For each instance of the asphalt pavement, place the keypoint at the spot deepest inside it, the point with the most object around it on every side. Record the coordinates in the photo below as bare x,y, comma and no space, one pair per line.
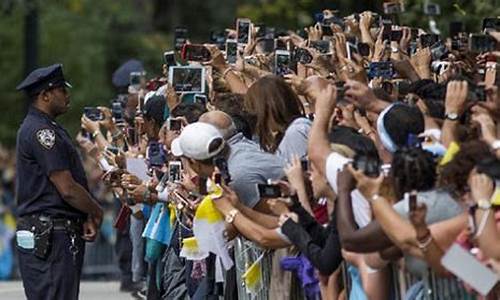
89,290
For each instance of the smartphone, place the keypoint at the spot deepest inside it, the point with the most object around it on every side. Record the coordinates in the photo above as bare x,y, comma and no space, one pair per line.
396,35
93,113
340,86
303,56
466,267
491,24
136,79
368,164
218,38
269,190
187,79
267,45
117,112
231,51
439,51
218,178
221,164
281,62
243,31
480,43
132,136
393,7
180,37
384,69
326,29
201,99
350,49
202,185
364,49
322,46
174,171
193,52
174,124
386,30
432,9
412,201
113,149
169,58
427,40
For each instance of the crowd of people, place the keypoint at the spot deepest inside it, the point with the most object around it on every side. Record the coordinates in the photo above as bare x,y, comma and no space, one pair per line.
308,164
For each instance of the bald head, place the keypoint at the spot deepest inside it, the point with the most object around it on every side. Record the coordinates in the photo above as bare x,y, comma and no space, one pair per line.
221,120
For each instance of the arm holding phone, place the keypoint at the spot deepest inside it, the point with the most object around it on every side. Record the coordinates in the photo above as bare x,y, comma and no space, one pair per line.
219,63
267,238
431,250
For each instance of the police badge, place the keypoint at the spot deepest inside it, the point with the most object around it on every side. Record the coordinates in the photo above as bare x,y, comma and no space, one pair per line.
46,138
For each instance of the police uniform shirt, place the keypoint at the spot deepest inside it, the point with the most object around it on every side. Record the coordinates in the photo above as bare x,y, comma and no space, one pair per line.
43,147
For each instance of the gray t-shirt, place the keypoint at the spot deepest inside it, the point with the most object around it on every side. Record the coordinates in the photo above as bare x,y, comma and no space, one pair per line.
440,206
294,141
249,165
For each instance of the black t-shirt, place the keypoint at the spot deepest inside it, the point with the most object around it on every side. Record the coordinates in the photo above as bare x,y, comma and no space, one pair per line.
43,147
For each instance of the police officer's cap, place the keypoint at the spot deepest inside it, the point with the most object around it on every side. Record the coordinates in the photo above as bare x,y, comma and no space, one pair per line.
43,79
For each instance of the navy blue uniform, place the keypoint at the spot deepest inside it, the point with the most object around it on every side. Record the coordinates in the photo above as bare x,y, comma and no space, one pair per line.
43,147
49,243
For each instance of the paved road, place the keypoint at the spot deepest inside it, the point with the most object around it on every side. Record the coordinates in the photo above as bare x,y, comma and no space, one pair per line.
89,290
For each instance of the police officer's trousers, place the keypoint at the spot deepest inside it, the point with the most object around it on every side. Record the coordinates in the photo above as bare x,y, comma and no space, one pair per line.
56,277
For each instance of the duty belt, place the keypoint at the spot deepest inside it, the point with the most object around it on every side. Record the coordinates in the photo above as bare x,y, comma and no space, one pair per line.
58,223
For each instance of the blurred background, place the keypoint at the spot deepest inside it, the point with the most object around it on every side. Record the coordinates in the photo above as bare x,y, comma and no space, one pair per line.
91,38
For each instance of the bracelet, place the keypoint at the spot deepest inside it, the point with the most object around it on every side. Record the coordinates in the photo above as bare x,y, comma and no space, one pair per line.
376,197
482,224
422,245
95,133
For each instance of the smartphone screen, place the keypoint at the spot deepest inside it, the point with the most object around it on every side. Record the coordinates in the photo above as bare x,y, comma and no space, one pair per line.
187,79
269,190
303,56
169,58
174,124
243,31
195,53
180,37
351,48
282,62
231,51
93,113
174,171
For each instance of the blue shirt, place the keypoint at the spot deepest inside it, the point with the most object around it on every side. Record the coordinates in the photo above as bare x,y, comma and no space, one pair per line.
248,166
43,147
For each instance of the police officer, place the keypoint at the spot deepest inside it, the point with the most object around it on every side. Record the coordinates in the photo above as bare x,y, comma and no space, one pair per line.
56,213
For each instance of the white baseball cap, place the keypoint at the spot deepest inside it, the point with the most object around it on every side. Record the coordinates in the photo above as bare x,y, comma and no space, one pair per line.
196,141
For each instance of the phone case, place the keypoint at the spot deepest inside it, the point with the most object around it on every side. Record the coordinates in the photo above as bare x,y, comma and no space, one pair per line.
122,218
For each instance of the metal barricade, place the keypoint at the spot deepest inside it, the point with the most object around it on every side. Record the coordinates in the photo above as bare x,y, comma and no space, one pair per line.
100,260
433,287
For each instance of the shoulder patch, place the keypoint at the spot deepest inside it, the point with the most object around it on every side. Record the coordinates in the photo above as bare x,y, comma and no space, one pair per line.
46,138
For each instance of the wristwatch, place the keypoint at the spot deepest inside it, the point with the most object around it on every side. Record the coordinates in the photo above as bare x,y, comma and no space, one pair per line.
231,215
452,116
484,204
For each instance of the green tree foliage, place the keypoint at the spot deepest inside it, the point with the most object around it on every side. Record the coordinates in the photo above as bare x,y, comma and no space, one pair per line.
93,37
